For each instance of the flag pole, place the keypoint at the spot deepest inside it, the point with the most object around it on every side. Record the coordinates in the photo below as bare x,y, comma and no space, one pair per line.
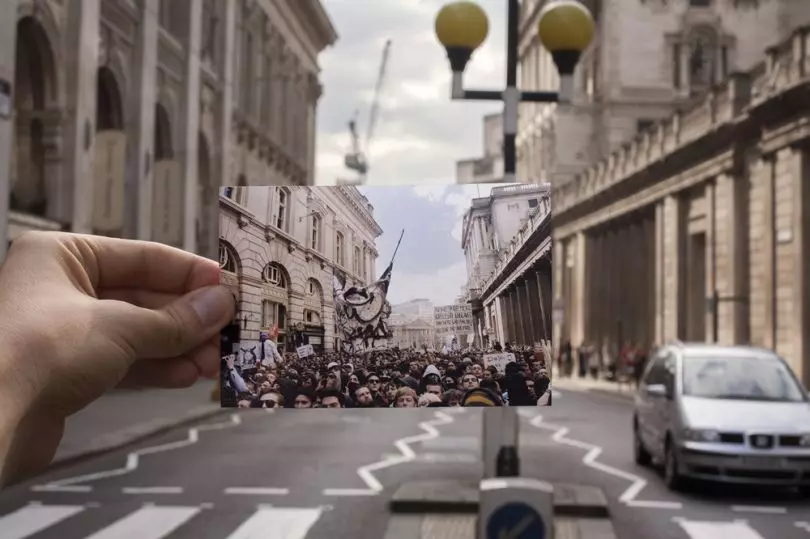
396,248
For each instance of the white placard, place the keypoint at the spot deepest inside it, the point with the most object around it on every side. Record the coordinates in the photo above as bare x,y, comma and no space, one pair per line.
305,351
453,319
499,361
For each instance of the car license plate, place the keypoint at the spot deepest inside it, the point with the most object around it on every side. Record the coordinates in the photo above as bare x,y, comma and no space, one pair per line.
762,463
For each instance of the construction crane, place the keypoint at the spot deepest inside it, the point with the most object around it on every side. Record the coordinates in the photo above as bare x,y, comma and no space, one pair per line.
357,159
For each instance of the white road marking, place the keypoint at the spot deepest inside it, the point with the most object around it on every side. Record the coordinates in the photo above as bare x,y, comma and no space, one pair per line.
33,518
718,530
628,497
802,525
439,458
133,459
148,522
56,488
152,490
407,454
759,509
257,491
286,523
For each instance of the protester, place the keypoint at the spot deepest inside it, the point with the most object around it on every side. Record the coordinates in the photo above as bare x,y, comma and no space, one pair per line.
387,378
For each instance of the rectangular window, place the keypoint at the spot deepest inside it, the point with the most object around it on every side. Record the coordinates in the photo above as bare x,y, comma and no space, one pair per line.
533,203
316,233
283,202
676,66
339,249
644,125
724,67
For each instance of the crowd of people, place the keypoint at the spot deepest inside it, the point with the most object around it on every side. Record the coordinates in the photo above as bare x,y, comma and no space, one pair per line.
391,378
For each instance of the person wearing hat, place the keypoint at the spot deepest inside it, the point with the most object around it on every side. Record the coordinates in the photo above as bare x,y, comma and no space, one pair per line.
481,397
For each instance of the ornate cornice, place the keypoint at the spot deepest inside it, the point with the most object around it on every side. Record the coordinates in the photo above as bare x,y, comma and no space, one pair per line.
359,203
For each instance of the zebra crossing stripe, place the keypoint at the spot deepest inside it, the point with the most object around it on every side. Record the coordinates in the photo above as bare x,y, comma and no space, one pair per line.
738,529
148,522
286,523
34,518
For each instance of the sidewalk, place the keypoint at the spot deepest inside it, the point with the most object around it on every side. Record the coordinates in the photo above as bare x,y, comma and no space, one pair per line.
124,416
624,390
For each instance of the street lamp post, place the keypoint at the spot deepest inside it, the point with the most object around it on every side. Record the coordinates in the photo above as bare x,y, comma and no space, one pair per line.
566,29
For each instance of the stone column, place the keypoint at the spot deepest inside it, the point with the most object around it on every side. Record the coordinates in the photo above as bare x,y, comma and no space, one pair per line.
509,335
529,301
190,124
221,150
141,132
660,299
8,55
578,290
672,264
520,319
81,55
517,323
544,288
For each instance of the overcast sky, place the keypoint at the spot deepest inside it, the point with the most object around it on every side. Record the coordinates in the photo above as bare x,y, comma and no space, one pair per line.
420,133
430,263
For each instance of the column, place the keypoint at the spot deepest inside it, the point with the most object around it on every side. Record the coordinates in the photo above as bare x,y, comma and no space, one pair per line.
660,297
141,135
8,54
531,335
544,288
517,324
578,289
520,320
82,52
190,124
599,305
221,151
672,261
711,253
509,335
533,300
558,280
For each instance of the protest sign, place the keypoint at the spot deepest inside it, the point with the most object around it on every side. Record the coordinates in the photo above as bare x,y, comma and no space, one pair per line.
453,319
499,361
305,351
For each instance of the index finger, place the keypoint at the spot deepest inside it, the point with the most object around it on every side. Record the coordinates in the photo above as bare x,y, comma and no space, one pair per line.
116,263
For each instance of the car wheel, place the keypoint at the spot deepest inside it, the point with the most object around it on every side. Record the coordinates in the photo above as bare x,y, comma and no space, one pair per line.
640,453
672,477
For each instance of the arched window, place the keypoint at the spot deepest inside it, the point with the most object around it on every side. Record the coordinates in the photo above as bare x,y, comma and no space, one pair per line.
275,275
228,260
311,317
273,313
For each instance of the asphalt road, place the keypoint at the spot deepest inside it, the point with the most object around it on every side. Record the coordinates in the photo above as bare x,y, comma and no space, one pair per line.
318,475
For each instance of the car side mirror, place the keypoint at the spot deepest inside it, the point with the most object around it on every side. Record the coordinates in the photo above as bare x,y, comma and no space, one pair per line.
656,390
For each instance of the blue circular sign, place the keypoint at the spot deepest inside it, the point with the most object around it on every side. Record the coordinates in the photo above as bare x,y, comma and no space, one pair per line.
516,521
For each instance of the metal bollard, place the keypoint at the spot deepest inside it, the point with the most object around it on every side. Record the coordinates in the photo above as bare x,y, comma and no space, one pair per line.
516,508
499,440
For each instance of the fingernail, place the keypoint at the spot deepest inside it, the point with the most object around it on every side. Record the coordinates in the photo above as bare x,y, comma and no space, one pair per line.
211,304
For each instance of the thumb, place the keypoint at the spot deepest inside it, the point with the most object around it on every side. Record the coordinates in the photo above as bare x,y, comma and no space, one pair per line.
181,326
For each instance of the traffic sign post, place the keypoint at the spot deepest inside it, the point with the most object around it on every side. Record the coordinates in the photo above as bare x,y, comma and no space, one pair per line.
516,508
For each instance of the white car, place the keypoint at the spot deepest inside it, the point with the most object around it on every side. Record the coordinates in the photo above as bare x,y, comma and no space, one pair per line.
732,414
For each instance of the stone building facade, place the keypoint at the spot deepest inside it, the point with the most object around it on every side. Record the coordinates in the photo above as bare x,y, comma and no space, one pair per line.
699,229
489,167
649,59
279,248
507,244
417,333
128,115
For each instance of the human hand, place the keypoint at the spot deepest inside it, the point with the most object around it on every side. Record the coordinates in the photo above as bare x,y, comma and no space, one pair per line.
80,315
230,361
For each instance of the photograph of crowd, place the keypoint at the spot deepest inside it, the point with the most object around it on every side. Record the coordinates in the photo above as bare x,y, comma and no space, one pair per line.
318,327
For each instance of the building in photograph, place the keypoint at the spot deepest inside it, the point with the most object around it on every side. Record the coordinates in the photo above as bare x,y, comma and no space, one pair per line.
129,115
489,167
698,230
623,88
416,333
507,244
279,249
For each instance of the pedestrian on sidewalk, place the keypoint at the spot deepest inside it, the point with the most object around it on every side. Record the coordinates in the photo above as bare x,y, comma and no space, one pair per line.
92,313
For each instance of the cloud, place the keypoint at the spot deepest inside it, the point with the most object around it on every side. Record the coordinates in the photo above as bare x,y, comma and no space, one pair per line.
430,262
420,133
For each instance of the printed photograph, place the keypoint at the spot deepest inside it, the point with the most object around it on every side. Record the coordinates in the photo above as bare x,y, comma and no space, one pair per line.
387,297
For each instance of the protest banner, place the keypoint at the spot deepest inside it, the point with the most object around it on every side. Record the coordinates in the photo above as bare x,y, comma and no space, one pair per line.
305,351
499,361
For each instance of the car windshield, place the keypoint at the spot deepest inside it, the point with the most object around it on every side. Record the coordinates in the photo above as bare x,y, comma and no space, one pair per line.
759,378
